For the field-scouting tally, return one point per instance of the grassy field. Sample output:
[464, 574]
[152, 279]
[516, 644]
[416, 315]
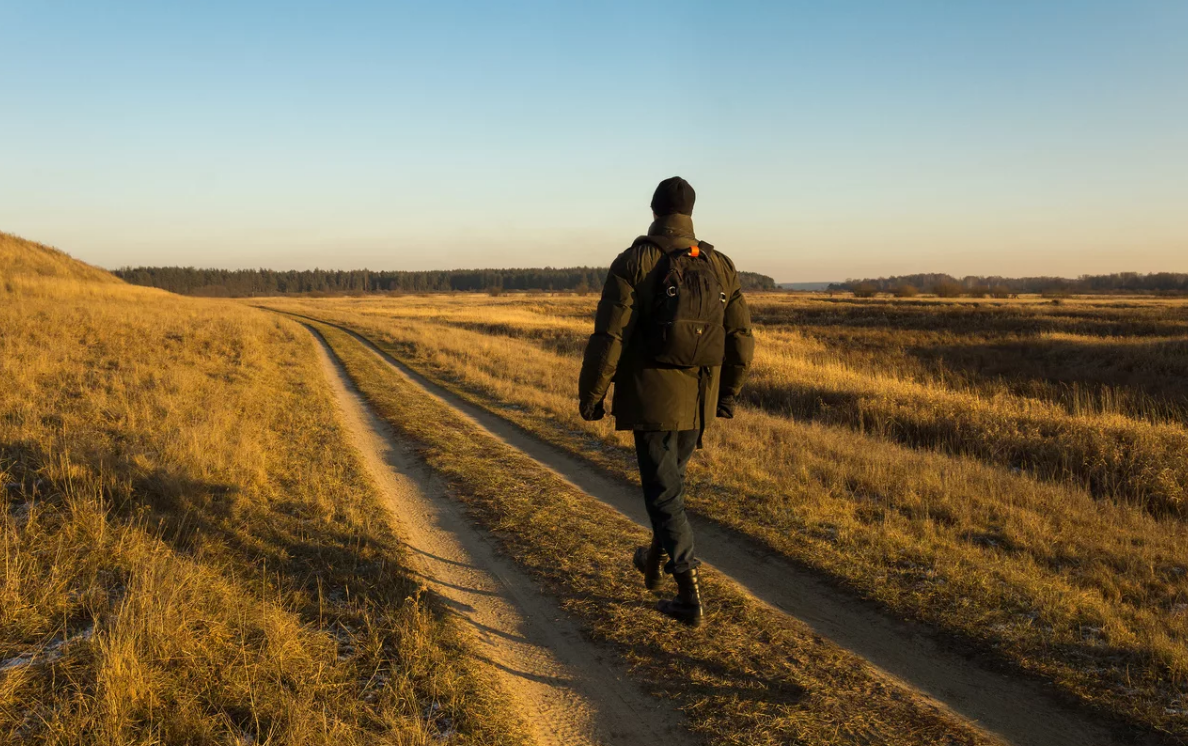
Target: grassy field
[1011, 473]
[752, 676]
[191, 554]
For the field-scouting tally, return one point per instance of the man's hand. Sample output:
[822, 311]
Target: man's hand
[726, 407]
[594, 412]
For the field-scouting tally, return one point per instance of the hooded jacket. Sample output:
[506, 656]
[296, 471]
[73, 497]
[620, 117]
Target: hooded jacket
[648, 396]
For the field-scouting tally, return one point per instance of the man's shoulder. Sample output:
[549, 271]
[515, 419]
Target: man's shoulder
[638, 258]
[643, 246]
[725, 266]
[726, 261]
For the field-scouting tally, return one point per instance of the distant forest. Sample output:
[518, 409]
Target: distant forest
[238, 283]
[1160, 283]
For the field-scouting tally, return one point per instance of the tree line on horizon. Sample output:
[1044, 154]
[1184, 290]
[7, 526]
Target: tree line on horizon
[943, 285]
[239, 283]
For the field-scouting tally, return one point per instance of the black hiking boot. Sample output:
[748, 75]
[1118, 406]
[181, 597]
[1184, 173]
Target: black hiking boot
[686, 607]
[649, 561]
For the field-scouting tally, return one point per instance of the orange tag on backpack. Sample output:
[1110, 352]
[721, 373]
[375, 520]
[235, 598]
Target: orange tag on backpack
[694, 250]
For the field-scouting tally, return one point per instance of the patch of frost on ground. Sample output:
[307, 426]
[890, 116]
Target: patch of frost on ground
[53, 651]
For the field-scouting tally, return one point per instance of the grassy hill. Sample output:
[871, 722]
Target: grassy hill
[19, 257]
[170, 472]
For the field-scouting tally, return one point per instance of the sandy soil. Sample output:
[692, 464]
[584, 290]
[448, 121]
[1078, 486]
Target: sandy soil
[1016, 710]
[569, 691]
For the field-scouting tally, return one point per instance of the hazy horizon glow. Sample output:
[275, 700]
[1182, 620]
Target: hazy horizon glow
[847, 139]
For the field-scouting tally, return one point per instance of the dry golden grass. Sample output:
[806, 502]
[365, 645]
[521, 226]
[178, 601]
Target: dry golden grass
[749, 677]
[1123, 356]
[21, 259]
[1113, 455]
[191, 554]
[1081, 581]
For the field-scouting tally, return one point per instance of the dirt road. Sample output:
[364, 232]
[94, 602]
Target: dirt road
[1015, 710]
[568, 690]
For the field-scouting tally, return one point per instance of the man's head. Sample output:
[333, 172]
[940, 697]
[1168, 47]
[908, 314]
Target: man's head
[674, 196]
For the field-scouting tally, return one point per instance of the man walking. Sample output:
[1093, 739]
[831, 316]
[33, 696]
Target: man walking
[673, 333]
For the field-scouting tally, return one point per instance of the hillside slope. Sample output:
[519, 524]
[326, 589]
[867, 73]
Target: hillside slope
[192, 552]
[21, 257]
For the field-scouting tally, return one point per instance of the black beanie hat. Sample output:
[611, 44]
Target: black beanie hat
[674, 195]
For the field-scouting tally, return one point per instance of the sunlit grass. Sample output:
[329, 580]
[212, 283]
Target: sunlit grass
[750, 676]
[191, 553]
[969, 507]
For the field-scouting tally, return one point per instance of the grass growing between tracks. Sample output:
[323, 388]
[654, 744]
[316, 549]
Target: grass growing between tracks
[751, 676]
[191, 554]
[1089, 593]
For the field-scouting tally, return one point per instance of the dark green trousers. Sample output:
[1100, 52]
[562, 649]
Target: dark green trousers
[663, 457]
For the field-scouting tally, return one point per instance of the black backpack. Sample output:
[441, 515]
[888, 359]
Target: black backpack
[684, 327]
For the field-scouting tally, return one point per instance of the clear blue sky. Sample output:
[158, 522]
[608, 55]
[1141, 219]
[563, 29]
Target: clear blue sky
[825, 139]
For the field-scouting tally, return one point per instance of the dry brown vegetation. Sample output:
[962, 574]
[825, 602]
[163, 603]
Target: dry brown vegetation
[1012, 473]
[191, 554]
[752, 676]
[24, 261]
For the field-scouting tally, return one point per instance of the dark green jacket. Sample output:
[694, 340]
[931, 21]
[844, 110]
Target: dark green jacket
[649, 397]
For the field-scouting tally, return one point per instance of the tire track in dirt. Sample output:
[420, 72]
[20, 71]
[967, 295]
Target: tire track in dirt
[567, 689]
[1015, 709]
